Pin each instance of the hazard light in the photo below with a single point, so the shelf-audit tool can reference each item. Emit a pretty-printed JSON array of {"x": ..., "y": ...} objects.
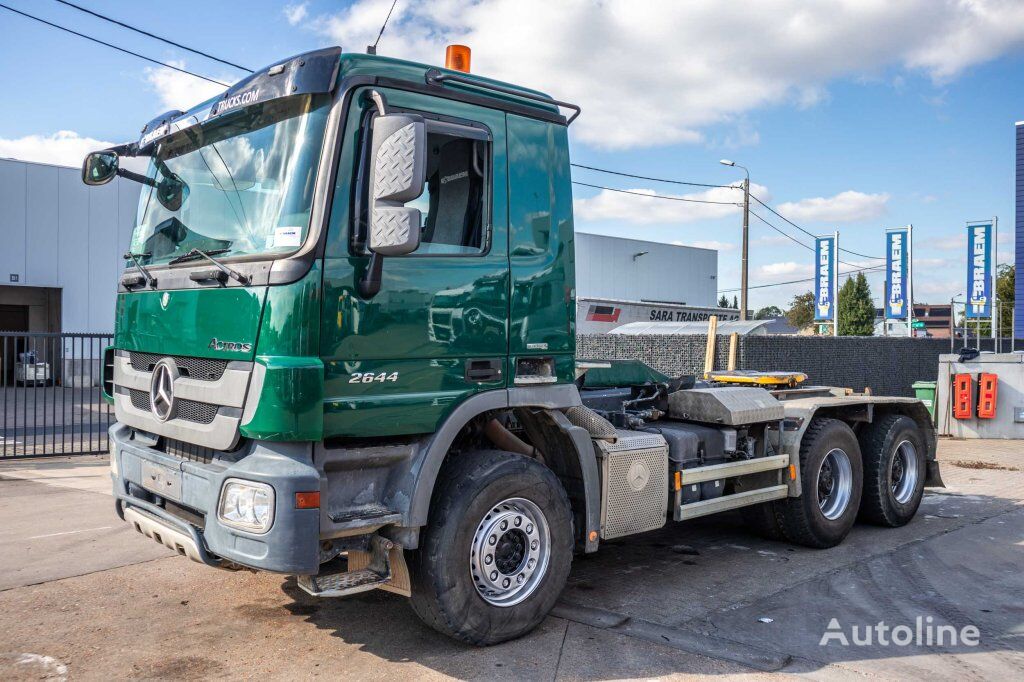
[{"x": 456, "y": 58}]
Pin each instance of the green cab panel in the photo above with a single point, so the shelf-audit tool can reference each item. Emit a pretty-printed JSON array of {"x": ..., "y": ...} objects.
[
  {"x": 189, "y": 321},
  {"x": 288, "y": 373},
  {"x": 397, "y": 363}
]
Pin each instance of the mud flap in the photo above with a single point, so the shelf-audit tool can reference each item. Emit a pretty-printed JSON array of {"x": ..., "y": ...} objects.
[{"x": 934, "y": 479}]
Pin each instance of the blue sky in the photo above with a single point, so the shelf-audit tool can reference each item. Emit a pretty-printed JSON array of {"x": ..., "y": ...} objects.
[{"x": 854, "y": 116}]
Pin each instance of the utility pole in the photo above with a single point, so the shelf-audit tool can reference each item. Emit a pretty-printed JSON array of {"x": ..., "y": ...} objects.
[
  {"x": 746, "y": 247},
  {"x": 746, "y": 236}
]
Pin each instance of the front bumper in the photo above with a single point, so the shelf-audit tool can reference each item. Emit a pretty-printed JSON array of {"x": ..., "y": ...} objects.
[{"x": 184, "y": 515}]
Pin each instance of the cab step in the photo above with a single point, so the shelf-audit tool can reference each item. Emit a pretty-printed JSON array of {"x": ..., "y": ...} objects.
[{"x": 344, "y": 583}]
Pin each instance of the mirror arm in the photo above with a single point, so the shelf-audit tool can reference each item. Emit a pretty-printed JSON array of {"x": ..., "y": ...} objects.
[
  {"x": 136, "y": 177},
  {"x": 369, "y": 283}
]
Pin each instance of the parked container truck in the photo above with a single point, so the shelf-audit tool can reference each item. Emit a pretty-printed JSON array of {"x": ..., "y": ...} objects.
[{"x": 345, "y": 351}]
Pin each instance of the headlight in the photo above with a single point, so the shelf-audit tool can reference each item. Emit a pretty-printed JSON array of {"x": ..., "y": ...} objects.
[{"x": 247, "y": 505}]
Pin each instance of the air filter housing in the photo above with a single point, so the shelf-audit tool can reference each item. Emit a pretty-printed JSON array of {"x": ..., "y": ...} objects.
[{"x": 634, "y": 481}]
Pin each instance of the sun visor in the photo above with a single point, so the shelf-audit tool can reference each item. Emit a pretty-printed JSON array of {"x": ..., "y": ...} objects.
[{"x": 310, "y": 73}]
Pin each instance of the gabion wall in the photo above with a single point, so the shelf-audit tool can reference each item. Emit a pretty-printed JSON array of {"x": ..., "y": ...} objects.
[{"x": 888, "y": 365}]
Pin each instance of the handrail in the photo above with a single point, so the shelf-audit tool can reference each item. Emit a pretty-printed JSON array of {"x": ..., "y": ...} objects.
[{"x": 436, "y": 77}]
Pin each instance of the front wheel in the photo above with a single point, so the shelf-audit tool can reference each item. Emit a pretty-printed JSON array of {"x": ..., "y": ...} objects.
[{"x": 496, "y": 552}]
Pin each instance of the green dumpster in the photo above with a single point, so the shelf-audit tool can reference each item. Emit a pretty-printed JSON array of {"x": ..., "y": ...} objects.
[{"x": 925, "y": 392}]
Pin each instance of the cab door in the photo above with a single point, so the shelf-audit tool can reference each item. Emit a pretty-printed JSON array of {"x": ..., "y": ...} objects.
[{"x": 437, "y": 331}]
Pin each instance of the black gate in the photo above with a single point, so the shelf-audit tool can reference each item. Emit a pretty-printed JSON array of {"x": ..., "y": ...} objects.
[{"x": 50, "y": 394}]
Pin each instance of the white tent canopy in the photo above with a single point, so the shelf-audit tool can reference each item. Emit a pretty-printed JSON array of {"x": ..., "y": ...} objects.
[{"x": 748, "y": 328}]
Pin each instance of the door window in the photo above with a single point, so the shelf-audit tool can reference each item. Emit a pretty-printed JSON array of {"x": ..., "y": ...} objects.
[{"x": 454, "y": 197}]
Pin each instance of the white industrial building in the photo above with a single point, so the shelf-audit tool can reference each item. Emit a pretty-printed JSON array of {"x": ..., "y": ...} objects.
[
  {"x": 60, "y": 248},
  {"x": 620, "y": 281}
]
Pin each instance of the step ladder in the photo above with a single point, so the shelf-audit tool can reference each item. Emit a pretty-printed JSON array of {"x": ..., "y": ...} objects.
[
  {"x": 344, "y": 583},
  {"x": 715, "y": 472}
]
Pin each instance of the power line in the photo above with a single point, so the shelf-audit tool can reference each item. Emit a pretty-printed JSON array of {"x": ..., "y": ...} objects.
[
  {"x": 645, "y": 177},
  {"x": 811, "y": 234},
  {"x": 873, "y": 268},
  {"x": 656, "y": 196},
  {"x": 701, "y": 184},
  {"x": 791, "y": 238},
  {"x": 783, "y": 233},
  {"x": 154, "y": 36},
  {"x": 111, "y": 46}
]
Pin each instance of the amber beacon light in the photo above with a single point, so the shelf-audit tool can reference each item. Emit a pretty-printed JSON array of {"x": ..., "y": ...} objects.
[{"x": 456, "y": 58}]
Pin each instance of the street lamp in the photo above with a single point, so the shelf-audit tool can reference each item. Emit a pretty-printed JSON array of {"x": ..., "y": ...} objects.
[{"x": 746, "y": 235}]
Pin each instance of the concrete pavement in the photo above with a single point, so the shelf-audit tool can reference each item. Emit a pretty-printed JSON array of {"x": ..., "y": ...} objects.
[{"x": 90, "y": 595}]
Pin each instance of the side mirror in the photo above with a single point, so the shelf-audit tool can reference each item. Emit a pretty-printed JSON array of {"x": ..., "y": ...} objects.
[
  {"x": 171, "y": 192},
  {"x": 99, "y": 168},
  {"x": 398, "y": 153}
]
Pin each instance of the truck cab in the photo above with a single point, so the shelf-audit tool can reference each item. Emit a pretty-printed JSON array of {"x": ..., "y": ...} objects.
[{"x": 345, "y": 350}]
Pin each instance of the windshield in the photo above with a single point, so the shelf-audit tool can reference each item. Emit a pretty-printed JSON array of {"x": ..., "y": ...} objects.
[{"x": 247, "y": 182}]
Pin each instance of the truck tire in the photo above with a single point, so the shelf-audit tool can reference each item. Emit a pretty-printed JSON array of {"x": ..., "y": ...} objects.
[
  {"x": 497, "y": 548},
  {"x": 762, "y": 520},
  {"x": 894, "y": 470},
  {"x": 831, "y": 481}
]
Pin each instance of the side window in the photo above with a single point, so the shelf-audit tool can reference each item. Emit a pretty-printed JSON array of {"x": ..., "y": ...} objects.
[
  {"x": 454, "y": 200},
  {"x": 454, "y": 203}
]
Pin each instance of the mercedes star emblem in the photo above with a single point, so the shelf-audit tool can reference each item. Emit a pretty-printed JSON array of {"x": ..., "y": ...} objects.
[{"x": 161, "y": 389}]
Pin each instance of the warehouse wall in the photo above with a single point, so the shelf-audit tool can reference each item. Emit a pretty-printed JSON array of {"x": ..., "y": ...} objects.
[
  {"x": 55, "y": 232},
  {"x": 667, "y": 273},
  {"x": 888, "y": 366}
]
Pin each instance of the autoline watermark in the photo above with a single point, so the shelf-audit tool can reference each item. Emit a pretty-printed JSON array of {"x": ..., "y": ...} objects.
[{"x": 922, "y": 633}]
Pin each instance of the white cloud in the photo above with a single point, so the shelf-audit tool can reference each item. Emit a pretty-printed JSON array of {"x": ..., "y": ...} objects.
[
  {"x": 660, "y": 72},
  {"x": 848, "y": 206},
  {"x": 63, "y": 148},
  {"x": 177, "y": 90},
  {"x": 642, "y": 208},
  {"x": 709, "y": 244},
  {"x": 777, "y": 270},
  {"x": 295, "y": 14}
]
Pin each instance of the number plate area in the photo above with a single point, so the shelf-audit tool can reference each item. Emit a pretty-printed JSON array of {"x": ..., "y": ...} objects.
[{"x": 163, "y": 481}]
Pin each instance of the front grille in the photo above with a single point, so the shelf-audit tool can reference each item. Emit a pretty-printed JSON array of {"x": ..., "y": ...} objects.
[
  {"x": 187, "y": 451},
  {"x": 188, "y": 410},
  {"x": 203, "y": 369}
]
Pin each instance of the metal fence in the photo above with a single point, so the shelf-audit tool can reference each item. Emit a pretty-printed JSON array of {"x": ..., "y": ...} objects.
[
  {"x": 975, "y": 333},
  {"x": 50, "y": 394}
]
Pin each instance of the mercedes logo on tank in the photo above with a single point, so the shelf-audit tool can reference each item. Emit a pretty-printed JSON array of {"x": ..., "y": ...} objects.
[{"x": 161, "y": 389}]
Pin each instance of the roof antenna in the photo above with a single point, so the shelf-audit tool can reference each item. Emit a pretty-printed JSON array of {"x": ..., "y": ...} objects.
[{"x": 372, "y": 49}]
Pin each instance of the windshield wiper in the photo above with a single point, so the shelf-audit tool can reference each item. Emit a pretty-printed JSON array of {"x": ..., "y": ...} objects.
[
  {"x": 150, "y": 279},
  {"x": 195, "y": 254}
]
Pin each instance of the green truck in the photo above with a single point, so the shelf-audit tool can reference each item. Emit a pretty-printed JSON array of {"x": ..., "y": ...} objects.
[{"x": 345, "y": 351}]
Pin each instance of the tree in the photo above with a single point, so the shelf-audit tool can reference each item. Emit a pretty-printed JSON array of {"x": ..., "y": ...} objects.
[
  {"x": 723, "y": 301},
  {"x": 856, "y": 308},
  {"x": 735, "y": 303},
  {"x": 801, "y": 310},
  {"x": 768, "y": 313}
]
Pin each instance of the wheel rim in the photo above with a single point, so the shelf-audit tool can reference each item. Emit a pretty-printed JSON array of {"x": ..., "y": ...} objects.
[
  {"x": 834, "y": 483},
  {"x": 903, "y": 472},
  {"x": 510, "y": 552}
]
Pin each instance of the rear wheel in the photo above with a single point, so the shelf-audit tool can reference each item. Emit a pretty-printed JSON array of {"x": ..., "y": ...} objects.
[
  {"x": 831, "y": 479},
  {"x": 496, "y": 552},
  {"x": 894, "y": 470}
]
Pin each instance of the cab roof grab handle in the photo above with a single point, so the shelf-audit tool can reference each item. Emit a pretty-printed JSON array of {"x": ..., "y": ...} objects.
[{"x": 436, "y": 77}]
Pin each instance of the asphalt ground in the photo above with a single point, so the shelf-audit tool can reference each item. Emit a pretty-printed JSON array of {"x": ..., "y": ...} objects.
[{"x": 84, "y": 597}]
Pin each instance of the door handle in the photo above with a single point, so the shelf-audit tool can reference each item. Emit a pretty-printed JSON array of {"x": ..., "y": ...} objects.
[{"x": 483, "y": 369}]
